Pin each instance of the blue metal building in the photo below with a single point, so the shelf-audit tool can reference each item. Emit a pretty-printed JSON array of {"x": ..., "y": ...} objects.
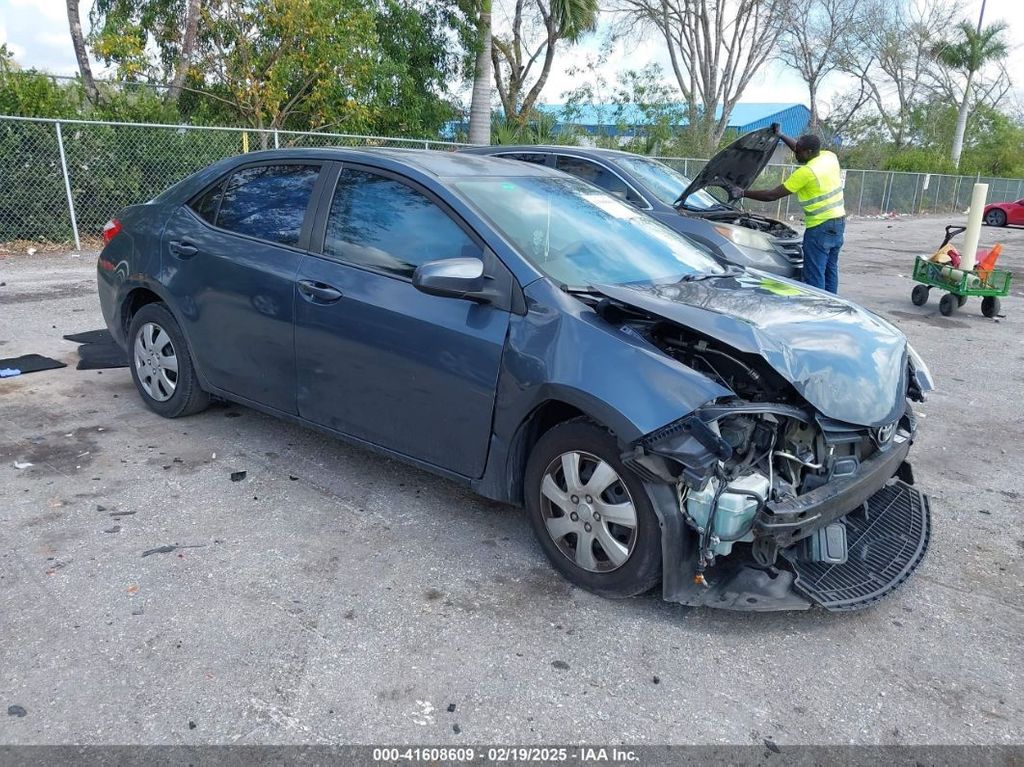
[{"x": 629, "y": 120}]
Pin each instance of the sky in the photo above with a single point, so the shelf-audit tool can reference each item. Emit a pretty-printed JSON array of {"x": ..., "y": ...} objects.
[{"x": 37, "y": 32}]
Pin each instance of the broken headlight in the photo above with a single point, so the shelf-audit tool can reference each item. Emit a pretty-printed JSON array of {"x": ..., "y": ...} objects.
[{"x": 919, "y": 371}]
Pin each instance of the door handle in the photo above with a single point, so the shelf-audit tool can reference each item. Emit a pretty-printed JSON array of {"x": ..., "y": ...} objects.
[
  {"x": 183, "y": 249},
  {"x": 318, "y": 292}
]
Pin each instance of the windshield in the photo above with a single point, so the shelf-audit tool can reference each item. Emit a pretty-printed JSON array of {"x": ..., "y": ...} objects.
[
  {"x": 580, "y": 236},
  {"x": 667, "y": 183}
]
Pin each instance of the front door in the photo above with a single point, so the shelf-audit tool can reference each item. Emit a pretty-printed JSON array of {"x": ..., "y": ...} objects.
[
  {"x": 229, "y": 260},
  {"x": 378, "y": 359}
]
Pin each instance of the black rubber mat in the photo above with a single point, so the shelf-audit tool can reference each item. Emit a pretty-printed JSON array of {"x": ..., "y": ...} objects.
[
  {"x": 90, "y": 337},
  {"x": 887, "y": 540},
  {"x": 101, "y": 356},
  {"x": 98, "y": 350},
  {"x": 27, "y": 363}
]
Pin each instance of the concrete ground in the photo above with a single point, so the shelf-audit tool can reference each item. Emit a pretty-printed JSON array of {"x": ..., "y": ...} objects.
[{"x": 335, "y": 597}]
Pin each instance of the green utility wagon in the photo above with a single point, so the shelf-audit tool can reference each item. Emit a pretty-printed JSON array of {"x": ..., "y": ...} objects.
[{"x": 958, "y": 284}]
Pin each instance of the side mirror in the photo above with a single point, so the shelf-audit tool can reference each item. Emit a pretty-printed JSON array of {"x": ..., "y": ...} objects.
[{"x": 452, "y": 278}]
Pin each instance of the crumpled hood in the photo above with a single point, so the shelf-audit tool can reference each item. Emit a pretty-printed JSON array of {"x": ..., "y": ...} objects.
[
  {"x": 845, "y": 361},
  {"x": 738, "y": 164}
]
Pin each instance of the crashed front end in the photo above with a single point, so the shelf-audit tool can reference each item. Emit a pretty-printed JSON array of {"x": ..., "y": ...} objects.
[{"x": 785, "y": 507}]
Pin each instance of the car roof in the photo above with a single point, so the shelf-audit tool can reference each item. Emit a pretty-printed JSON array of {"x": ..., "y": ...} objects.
[
  {"x": 583, "y": 151},
  {"x": 442, "y": 164}
]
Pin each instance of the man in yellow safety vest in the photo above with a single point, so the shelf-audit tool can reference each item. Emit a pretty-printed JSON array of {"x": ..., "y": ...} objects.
[{"x": 818, "y": 186}]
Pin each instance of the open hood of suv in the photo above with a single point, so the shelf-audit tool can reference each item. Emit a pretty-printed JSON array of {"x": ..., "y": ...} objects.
[{"x": 737, "y": 165}]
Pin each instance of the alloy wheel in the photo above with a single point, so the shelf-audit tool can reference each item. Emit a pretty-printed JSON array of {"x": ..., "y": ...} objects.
[
  {"x": 588, "y": 512},
  {"x": 156, "y": 362}
]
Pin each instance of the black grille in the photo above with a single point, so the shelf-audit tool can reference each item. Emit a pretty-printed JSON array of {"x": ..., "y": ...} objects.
[
  {"x": 887, "y": 537},
  {"x": 793, "y": 250}
]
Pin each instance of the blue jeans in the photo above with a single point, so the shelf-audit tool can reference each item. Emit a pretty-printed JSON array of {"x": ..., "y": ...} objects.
[{"x": 821, "y": 254}]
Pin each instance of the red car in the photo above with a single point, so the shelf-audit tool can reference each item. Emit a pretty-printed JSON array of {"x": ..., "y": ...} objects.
[{"x": 1003, "y": 213}]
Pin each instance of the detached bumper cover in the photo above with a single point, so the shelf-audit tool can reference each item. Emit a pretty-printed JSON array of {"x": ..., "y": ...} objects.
[{"x": 888, "y": 539}]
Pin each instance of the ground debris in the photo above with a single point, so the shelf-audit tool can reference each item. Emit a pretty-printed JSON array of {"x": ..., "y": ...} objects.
[
  {"x": 16, "y": 710},
  {"x": 772, "y": 746},
  {"x": 171, "y": 548},
  {"x": 121, "y": 513},
  {"x": 561, "y": 665},
  {"x": 238, "y": 476}
]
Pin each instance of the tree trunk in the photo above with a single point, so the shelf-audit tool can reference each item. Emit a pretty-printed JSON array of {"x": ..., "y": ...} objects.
[
  {"x": 480, "y": 108},
  {"x": 188, "y": 45},
  {"x": 813, "y": 89},
  {"x": 961, "y": 123},
  {"x": 78, "y": 41}
]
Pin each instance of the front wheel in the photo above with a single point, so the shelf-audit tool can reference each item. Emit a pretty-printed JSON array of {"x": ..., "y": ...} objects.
[
  {"x": 591, "y": 515},
  {"x": 161, "y": 366},
  {"x": 949, "y": 304},
  {"x": 995, "y": 217},
  {"x": 919, "y": 295},
  {"x": 990, "y": 306}
]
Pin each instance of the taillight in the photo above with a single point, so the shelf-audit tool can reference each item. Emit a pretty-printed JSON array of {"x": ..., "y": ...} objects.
[{"x": 111, "y": 229}]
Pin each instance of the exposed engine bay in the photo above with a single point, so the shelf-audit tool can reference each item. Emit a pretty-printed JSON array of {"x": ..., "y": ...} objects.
[
  {"x": 751, "y": 221},
  {"x": 763, "y": 477}
]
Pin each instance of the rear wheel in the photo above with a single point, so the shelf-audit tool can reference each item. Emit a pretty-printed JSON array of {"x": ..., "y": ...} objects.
[
  {"x": 990, "y": 306},
  {"x": 948, "y": 304},
  {"x": 591, "y": 515},
  {"x": 161, "y": 366},
  {"x": 961, "y": 300},
  {"x": 996, "y": 217},
  {"x": 919, "y": 295}
]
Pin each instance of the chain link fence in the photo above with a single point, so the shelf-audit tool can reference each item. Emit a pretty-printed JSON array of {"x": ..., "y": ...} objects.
[{"x": 60, "y": 181}]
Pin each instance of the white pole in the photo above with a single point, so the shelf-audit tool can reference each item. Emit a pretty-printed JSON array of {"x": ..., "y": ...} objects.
[
  {"x": 973, "y": 233},
  {"x": 67, "y": 187}
]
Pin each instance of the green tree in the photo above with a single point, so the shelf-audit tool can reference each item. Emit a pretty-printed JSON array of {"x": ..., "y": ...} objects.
[
  {"x": 968, "y": 52},
  {"x": 537, "y": 28},
  {"x": 291, "y": 63}
]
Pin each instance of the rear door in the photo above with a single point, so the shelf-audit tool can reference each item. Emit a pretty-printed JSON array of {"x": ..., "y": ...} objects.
[
  {"x": 1016, "y": 213},
  {"x": 378, "y": 359},
  {"x": 229, "y": 260}
]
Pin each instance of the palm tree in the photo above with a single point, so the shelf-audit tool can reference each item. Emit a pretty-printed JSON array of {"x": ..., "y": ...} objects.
[
  {"x": 480, "y": 107},
  {"x": 970, "y": 51}
]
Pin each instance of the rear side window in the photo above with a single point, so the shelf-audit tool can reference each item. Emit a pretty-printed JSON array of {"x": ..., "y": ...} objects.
[
  {"x": 535, "y": 158},
  {"x": 595, "y": 174},
  {"x": 385, "y": 225},
  {"x": 268, "y": 202}
]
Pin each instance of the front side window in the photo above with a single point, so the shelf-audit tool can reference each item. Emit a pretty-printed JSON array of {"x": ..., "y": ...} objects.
[
  {"x": 666, "y": 183},
  {"x": 268, "y": 202},
  {"x": 580, "y": 236},
  {"x": 382, "y": 224}
]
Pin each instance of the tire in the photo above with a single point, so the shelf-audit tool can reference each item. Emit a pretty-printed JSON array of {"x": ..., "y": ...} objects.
[
  {"x": 161, "y": 365},
  {"x": 990, "y": 306},
  {"x": 582, "y": 542},
  {"x": 919, "y": 295},
  {"x": 960, "y": 301},
  {"x": 948, "y": 304},
  {"x": 996, "y": 217}
]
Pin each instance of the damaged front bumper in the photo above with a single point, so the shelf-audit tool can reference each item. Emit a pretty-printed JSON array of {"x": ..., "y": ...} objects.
[{"x": 885, "y": 528}]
